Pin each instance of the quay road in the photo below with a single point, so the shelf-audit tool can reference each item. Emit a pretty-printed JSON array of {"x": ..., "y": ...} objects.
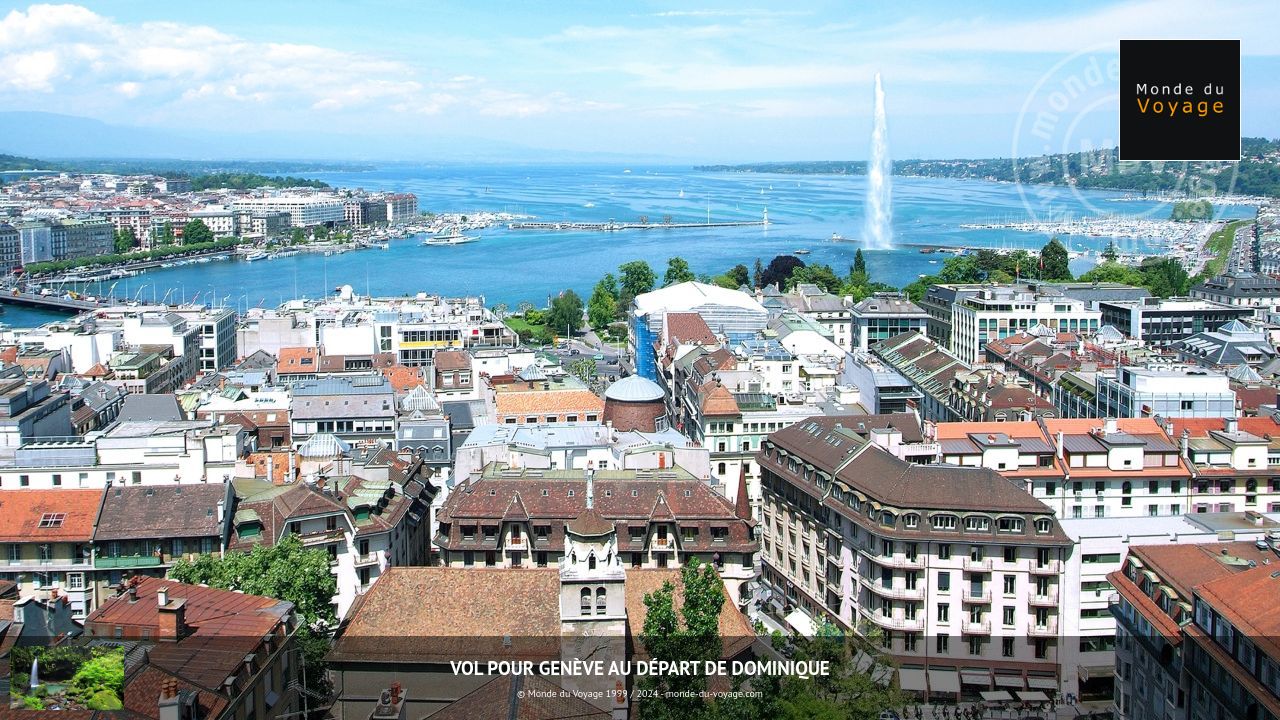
[{"x": 612, "y": 226}]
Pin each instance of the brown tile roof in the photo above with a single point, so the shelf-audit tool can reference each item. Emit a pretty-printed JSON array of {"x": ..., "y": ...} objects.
[
  {"x": 142, "y": 693},
  {"x": 298, "y": 360},
  {"x": 279, "y": 467},
  {"x": 589, "y": 523},
  {"x": 549, "y": 402},
  {"x": 452, "y": 360},
  {"x": 1200, "y": 427},
  {"x": 402, "y": 378},
  {"x": 67, "y": 515},
  {"x": 520, "y": 697},
  {"x": 1248, "y": 600},
  {"x": 160, "y": 512},
  {"x": 98, "y": 371},
  {"x": 687, "y": 328},
  {"x": 438, "y": 614},
  {"x": 717, "y": 400},
  {"x": 1183, "y": 566}
]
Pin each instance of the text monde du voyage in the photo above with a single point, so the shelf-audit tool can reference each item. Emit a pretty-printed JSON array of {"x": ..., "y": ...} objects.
[{"x": 1181, "y": 99}]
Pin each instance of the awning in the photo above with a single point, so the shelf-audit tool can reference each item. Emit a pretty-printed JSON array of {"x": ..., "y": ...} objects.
[
  {"x": 996, "y": 696},
  {"x": 1009, "y": 681},
  {"x": 1033, "y": 696},
  {"x": 976, "y": 677},
  {"x": 801, "y": 623},
  {"x": 911, "y": 679},
  {"x": 1044, "y": 683},
  {"x": 944, "y": 681}
]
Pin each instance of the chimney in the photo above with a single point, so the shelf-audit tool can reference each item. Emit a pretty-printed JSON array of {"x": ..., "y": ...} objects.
[
  {"x": 133, "y": 594},
  {"x": 1185, "y": 443},
  {"x": 1059, "y": 445},
  {"x": 1232, "y": 424},
  {"x": 390, "y": 705},
  {"x": 162, "y": 596},
  {"x": 591, "y": 486},
  {"x": 170, "y": 705},
  {"x": 173, "y": 620},
  {"x": 222, "y": 510}
]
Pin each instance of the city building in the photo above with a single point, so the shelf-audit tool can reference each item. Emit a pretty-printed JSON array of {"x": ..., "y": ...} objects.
[
  {"x": 724, "y": 311},
  {"x": 48, "y": 543},
  {"x": 880, "y": 388},
  {"x": 304, "y": 210},
  {"x": 516, "y": 517},
  {"x": 30, "y": 410},
  {"x": 882, "y": 316},
  {"x": 365, "y": 523},
  {"x": 958, "y": 568},
  {"x": 1260, "y": 293},
  {"x": 1164, "y": 321},
  {"x": 997, "y": 312},
  {"x": 828, "y": 310},
  {"x": 1164, "y": 390},
  {"x": 401, "y": 207},
  {"x": 929, "y": 367},
  {"x": 205, "y": 653},
  {"x": 452, "y": 375},
  {"x": 532, "y": 397},
  {"x": 10, "y": 248},
  {"x": 1235, "y": 463},
  {"x": 1195, "y": 629},
  {"x": 66, "y": 238},
  {"x": 222, "y": 222},
  {"x": 1229, "y": 346},
  {"x": 352, "y": 408}
]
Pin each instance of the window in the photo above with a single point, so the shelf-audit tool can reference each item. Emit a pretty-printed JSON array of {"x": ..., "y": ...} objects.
[
  {"x": 57, "y": 480},
  {"x": 1011, "y": 525},
  {"x": 944, "y": 613},
  {"x": 1006, "y": 646},
  {"x": 51, "y": 520},
  {"x": 1010, "y": 584},
  {"x": 585, "y": 602},
  {"x": 1008, "y": 617},
  {"x": 942, "y": 644},
  {"x": 24, "y": 481},
  {"x": 490, "y": 558},
  {"x": 1010, "y": 554},
  {"x": 944, "y": 581},
  {"x": 944, "y": 551},
  {"x": 601, "y": 603}
]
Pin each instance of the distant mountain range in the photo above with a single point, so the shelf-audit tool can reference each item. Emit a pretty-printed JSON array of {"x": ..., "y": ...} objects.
[
  {"x": 53, "y": 137},
  {"x": 1258, "y": 170}
]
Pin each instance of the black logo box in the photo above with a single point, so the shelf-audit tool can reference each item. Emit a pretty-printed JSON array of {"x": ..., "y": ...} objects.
[{"x": 1187, "y": 66}]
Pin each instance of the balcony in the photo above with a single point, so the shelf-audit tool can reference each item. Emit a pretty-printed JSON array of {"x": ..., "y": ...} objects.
[
  {"x": 1048, "y": 628},
  {"x": 50, "y": 564},
  {"x": 663, "y": 544},
  {"x": 368, "y": 559},
  {"x": 128, "y": 561},
  {"x": 982, "y": 627},
  {"x": 897, "y": 623},
  {"x": 517, "y": 543},
  {"x": 896, "y": 593},
  {"x": 893, "y": 561},
  {"x": 324, "y": 537},
  {"x": 977, "y": 596},
  {"x": 1052, "y": 567},
  {"x": 972, "y": 565},
  {"x": 1043, "y": 600}
]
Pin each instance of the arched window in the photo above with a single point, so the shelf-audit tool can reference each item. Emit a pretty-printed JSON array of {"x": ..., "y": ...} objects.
[
  {"x": 1126, "y": 488},
  {"x": 600, "y": 601},
  {"x": 591, "y": 561},
  {"x": 586, "y": 601}
]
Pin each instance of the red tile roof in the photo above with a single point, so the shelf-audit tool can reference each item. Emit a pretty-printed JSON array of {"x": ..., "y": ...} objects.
[
  {"x": 298, "y": 360},
  {"x": 402, "y": 378},
  {"x": 59, "y": 515},
  {"x": 452, "y": 360},
  {"x": 684, "y": 328},
  {"x": 1200, "y": 427}
]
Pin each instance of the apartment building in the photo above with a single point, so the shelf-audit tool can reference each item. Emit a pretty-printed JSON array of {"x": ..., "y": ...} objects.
[
  {"x": 30, "y": 410},
  {"x": 1163, "y": 321},
  {"x": 304, "y": 210},
  {"x": 882, "y": 316},
  {"x": 1255, "y": 291},
  {"x": 401, "y": 207},
  {"x": 958, "y": 568},
  {"x": 996, "y": 312},
  {"x": 207, "y": 653},
  {"x": 815, "y": 304},
  {"x": 10, "y": 248},
  {"x": 352, "y": 408},
  {"x": 517, "y": 517},
  {"x": 1195, "y": 629},
  {"x": 930, "y": 368},
  {"x": 1235, "y": 463},
  {"x": 366, "y": 523},
  {"x": 1165, "y": 390}
]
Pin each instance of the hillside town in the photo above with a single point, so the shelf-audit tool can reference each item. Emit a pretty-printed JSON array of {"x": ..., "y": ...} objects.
[{"x": 1024, "y": 492}]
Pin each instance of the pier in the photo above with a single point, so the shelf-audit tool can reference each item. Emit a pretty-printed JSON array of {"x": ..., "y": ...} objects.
[{"x": 612, "y": 226}]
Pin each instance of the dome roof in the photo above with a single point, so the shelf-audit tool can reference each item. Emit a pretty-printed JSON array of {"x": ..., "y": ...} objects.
[
  {"x": 323, "y": 445},
  {"x": 634, "y": 388}
]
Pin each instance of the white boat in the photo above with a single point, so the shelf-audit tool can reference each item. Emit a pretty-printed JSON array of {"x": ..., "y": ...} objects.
[
  {"x": 836, "y": 237},
  {"x": 589, "y": 205},
  {"x": 802, "y": 252},
  {"x": 452, "y": 238},
  {"x": 255, "y": 255}
]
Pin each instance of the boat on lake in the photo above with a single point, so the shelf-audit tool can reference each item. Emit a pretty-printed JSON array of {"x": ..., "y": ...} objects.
[
  {"x": 454, "y": 237},
  {"x": 255, "y": 255}
]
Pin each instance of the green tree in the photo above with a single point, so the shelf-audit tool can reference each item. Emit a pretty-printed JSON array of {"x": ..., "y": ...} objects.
[
  {"x": 321, "y": 232},
  {"x": 166, "y": 235},
  {"x": 821, "y": 275},
  {"x": 584, "y": 368},
  {"x": 1054, "y": 261},
  {"x": 196, "y": 232},
  {"x": 779, "y": 271},
  {"x": 125, "y": 240},
  {"x": 297, "y": 236},
  {"x": 1111, "y": 254},
  {"x": 565, "y": 313},
  {"x": 677, "y": 272},
  {"x": 286, "y": 571},
  {"x": 668, "y": 639},
  {"x": 859, "y": 262},
  {"x": 101, "y": 679},
  {"x": 856, "y": 687},
  {"x": 637, "y": 278},
  {"x": 602, "y": 308},
  {"x": 757, "y": 274},
  {"x": 739, "y": 275},
  {"x": 1165, "y": 277}
]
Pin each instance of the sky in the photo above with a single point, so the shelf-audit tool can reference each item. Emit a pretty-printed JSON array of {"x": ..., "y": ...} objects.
[{"x": 700, "y": 81}]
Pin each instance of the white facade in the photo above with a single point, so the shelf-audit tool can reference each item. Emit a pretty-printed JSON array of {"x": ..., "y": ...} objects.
[
  {"x": 998, "y": 312},
  {"x": 304, "y": 210},
  {"x": 1167, "y": 391}
]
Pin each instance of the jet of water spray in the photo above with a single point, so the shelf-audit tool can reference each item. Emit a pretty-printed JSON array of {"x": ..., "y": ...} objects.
[{"x": 878, "y": 231}]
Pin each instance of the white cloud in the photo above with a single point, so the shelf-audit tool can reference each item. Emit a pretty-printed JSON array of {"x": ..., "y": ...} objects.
[
  {"x": 29, "y": 71},
  {"x": 129, "y": 89}
]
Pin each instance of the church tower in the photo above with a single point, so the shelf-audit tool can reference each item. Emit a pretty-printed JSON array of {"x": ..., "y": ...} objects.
[{"x": 593, "y": 605}]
